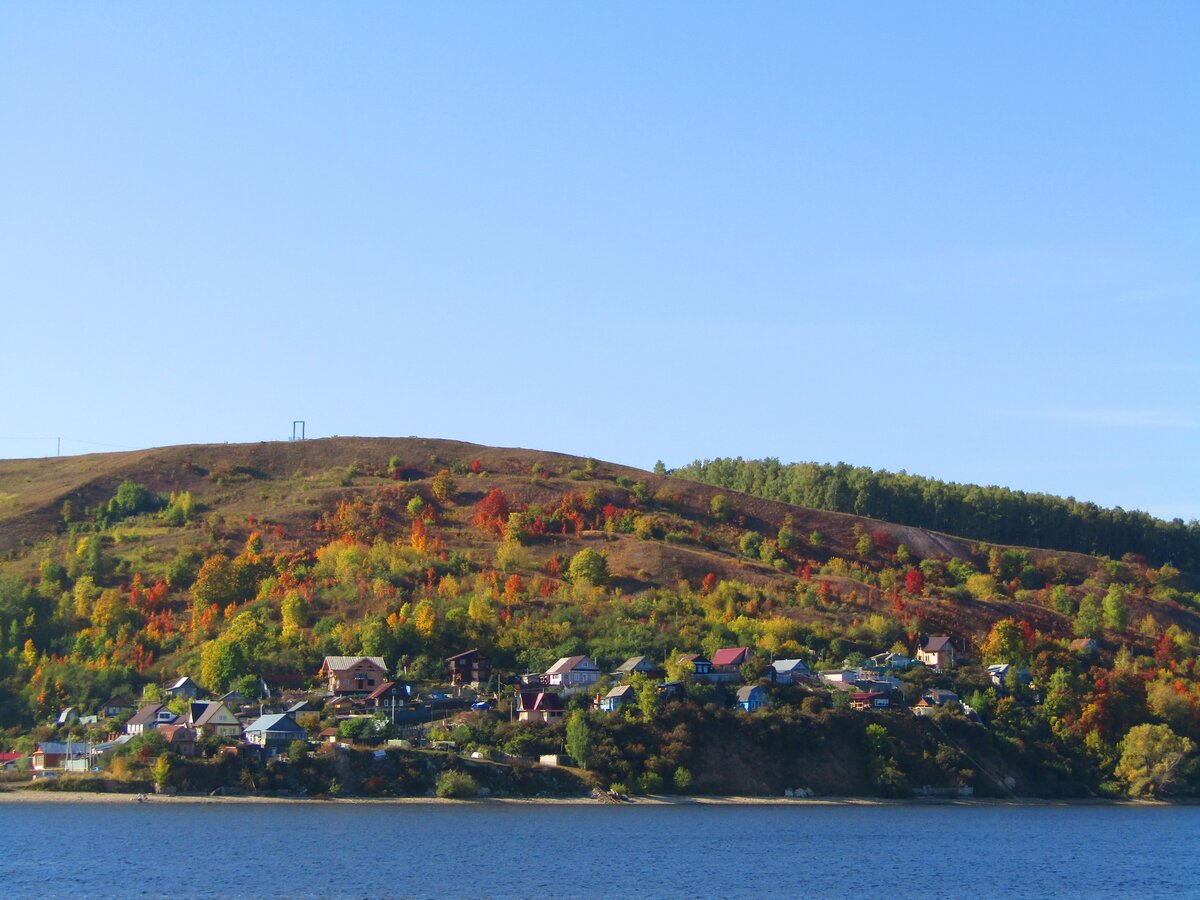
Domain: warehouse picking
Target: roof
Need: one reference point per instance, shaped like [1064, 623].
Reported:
[745, 693]
[539, 700]
[211, 708]
[177, 733]
[328, 732]
[341, 663]
[789, 665]
[146, 714]
[937, 643]
[730, 656]
[1082, 644]
[275, 722]
[571, 664]
[624, 690]
[62, 748]
[474, 651]
[635, 662]
[9, 757]
[117, 700]
[866, 695]
[181, 682]
[383, 689]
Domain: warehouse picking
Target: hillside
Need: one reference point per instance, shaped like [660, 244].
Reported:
[235, 562]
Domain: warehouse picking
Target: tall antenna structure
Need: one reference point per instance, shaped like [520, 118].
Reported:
[299, 422]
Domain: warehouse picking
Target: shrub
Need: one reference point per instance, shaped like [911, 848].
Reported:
[456, 785]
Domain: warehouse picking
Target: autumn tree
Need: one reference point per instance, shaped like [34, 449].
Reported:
[1153, 759]
[1005, 642]
[491, 512]
[1116, 611]
[444, 486]
[589, 566]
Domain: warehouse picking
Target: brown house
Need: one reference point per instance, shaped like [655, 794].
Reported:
[469, 667]
[353, 674]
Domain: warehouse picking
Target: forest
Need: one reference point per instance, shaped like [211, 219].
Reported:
[995, 514]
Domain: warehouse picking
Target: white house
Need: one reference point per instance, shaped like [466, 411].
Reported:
[573, 673]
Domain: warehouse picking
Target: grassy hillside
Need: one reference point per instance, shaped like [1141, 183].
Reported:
[232, 562]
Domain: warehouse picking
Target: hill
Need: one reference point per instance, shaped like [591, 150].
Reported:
[235, 562]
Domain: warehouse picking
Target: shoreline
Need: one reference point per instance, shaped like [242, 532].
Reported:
[19, 796]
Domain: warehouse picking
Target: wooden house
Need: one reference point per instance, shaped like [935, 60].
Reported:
[751, 697]
[727, 664]
[621, 695]
[469, 667]
[353, 674]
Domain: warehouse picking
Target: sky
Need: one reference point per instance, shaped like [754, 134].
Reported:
[960, 240]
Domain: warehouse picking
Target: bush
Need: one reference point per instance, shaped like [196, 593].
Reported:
[651, 783]
[456, 785]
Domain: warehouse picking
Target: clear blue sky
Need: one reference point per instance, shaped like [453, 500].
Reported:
[957, 239]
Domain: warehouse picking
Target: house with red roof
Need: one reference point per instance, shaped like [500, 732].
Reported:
[539, 706]
[727, 664]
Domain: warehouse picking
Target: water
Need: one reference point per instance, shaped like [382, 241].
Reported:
[335, 850]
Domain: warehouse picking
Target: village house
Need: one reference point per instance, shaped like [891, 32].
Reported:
[701, 665]
[790, 671]
[148, 717]
[539, 706]
[180, 739]
[353, 674]
[388, 698]
[10, 761]
[115, 707]
[573, 673]
[932, 699]
[840, 676]
[469, 667]
[937, 653]
[621, 695]
[889, 660]
[275, 731]
[751, 697]
[56, 754]
[867, 700]
[727, 664]
[212, 717]
[637, 665]
[184, 687]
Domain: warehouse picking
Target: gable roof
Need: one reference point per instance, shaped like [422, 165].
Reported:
[145, 715]
[747, 692]
[937, 643]
[572, 664]
[211, 710]
[624, 690]
[636, 663]
[730, 656]
[117, 701]
[790, 665]
[385, 688]
[539, 700]
[276, 722]
[474, 651]
[341, 663]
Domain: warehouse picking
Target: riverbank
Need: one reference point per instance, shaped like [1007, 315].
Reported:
[19, 796]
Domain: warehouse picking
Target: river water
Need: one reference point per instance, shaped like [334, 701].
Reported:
[329, 850]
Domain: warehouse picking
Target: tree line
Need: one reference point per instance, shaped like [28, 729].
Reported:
[994, 514]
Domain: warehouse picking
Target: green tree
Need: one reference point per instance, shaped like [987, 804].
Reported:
[579, 739]
[719, 507]
[1089, 620]
[750, 543]
[1153, 759]
[221, 663]
[1116, 611]
[589, 566]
